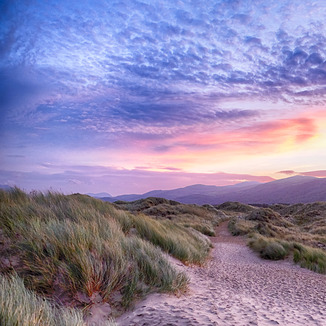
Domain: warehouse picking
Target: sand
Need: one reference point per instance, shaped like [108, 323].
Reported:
[236, 287]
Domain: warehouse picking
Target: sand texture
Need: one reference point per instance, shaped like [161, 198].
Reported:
[238, 288]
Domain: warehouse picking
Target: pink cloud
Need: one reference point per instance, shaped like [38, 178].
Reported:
[318, 174]
[287, 172]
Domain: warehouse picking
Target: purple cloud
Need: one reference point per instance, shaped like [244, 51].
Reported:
[118, 181]
[113, 73]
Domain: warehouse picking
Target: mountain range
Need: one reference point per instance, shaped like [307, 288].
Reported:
[296, 189]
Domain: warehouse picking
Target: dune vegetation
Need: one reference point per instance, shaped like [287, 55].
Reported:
[201, 218]
[281, 231]
[70, 249]
[20, 306]
[62, 255]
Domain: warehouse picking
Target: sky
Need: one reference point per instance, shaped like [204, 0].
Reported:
[130, 96]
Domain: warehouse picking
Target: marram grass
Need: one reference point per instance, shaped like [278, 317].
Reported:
[296, 231]
[22, 307]
[71, 245]
[188, 245]
[275, 249]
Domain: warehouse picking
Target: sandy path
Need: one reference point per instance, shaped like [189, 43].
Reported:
[238, 288]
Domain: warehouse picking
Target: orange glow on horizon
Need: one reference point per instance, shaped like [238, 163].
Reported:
[210, 149]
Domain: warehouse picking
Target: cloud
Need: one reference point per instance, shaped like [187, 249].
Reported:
[75, 181]
[119, 181]
[147, 51]
[299, 130]
[318, 174]
[242, 18]
[160, 77]
[157, 46]
[287, 172]
[16, 156]
[256, 137]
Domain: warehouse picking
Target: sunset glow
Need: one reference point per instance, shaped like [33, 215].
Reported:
[130, 96]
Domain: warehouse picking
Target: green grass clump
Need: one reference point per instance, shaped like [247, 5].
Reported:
[188, 245]
[311, 258]
[280, 230]
[152, 270]
[19, 306]
[269, 248]
[275, 249]
[74, 246]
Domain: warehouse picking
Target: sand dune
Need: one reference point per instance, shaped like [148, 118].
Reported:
[238, 288]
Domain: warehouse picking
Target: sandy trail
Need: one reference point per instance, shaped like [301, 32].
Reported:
[238, 288]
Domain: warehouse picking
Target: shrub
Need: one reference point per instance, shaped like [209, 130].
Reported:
[308, 257]
[274, 251]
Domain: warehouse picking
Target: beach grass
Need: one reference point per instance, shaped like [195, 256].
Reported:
[67, 247]
[22, 307]
[282, 231]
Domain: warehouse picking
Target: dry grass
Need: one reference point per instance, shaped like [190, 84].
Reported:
[241, 227]
[67, 247]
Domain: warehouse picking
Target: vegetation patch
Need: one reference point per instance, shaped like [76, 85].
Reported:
[279, 231]
[275, 249]
[236, 207]
[20, 306]
[240, 226]
[201, 218]
[311, 258]
[188, 245]
[72, 248]
[269, 248]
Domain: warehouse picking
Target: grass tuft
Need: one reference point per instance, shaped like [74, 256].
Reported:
[269, 248]
[19, 306]
[72, 247]
[185, 244]
[311, 258]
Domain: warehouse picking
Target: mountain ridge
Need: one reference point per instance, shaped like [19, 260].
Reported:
[99, 195]
[295, 189]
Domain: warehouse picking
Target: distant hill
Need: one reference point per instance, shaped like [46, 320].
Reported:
[99, 195]
[297, 189]
[185, 194]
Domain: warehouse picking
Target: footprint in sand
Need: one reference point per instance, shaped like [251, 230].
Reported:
[238, 289]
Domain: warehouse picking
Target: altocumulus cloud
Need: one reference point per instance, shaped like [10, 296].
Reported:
[140, 51]
[99, 73]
